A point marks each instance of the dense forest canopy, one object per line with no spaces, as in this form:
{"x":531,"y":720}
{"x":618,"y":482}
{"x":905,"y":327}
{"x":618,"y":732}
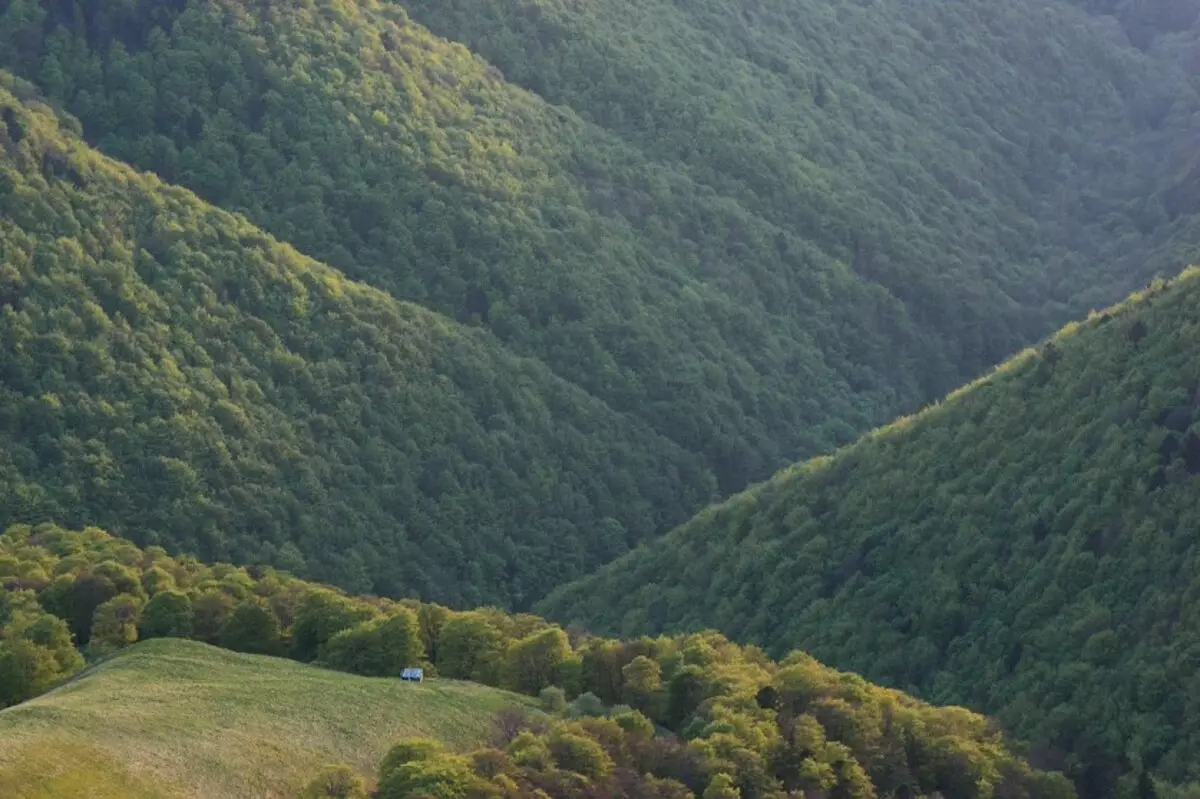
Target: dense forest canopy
{"x":955,"y":153}
{"x":461,"y":300}
{"x":172,"y":372}
{"x":663,"y":717}
{"x":761,"y":230}
{"x":1030,"y":548}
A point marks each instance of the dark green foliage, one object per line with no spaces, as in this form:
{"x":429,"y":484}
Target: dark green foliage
{"x":252,"y":628}
{"x":982,"y":162}
{"x":172,"y":373}
{"x":1028,"y":548}
{"x":168,"y":614}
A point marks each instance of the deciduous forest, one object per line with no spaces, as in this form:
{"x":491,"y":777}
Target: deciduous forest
{"x":726,"y":327}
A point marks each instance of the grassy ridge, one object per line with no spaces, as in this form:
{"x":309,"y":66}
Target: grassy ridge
{"x":1027,"y":548}
{"x":171,"y":718}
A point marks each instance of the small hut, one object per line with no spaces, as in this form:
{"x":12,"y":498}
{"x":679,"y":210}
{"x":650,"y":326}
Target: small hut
{"x":413,"y":675}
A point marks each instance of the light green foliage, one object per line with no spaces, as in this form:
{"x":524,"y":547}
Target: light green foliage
{"x":440,"y":777}
{"x":533,"y":662}
{"x":26,"y":670}
{"x":322,"y":615}
{"x":410,"y":750}
{"x":378,"y":648}
{"x":177,"y":375}
{"x":722,"y":787}
{"x":578,"y":753}
{"x":553,"y":700}
{"x":1024,"y":548}
{"x":471,"y":648}
{"x":335,"y":782}
{"x":730,"y":709}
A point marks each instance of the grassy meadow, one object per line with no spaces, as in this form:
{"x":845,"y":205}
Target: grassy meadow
{"x":173,"y":718}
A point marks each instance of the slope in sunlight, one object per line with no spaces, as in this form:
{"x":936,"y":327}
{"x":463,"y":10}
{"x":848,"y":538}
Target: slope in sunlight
{"x":172,"y":718}
{"x":1029,"y":548}
{"x":760,"y":230}
{"x":664,"y":718}
{"x":171,"y":372}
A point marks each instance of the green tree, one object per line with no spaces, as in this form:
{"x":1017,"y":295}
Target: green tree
{"x":432,"y":619}
{"x":379,"y":648}
{"x":254,"y":628}
{"x":26,"y":670}
{"x":211,"y":611}
{"x":580,"y":754}
{"x":553,"y":700}
{"x":439,"y":777}
{"x":470,"y":648}
{"x":323,"y":614}
{"x":335,"y":782}
{"x":410,"y":750}
{"x":168,"y":614}
{"x":115,"y":624}
{"x":642,"y":684}
{"x":532,"y":663}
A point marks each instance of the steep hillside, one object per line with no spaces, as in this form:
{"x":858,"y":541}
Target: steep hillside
{"x":960,"y":154}
{"x":170,"y":718}
{"x":741,"y":228}
{"x":663,"y":718}
{"x":1028,"y":548}
{"x":173,"y":373}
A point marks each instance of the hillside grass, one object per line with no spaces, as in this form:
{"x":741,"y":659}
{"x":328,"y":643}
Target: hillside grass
{"x":173,"y":718}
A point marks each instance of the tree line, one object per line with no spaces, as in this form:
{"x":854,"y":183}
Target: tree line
{"x":689,"y":715}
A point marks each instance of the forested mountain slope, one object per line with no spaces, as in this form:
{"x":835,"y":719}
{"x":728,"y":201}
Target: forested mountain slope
{"x":960,"y":154}
{"x":172,"y":372}
{"x":749,"y":230}
{"x":664,"y":718}
{"x":1029,"y":548}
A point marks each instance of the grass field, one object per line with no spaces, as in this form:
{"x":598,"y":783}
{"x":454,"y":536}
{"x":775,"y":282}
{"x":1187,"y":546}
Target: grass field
{"x":170,"y":718}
